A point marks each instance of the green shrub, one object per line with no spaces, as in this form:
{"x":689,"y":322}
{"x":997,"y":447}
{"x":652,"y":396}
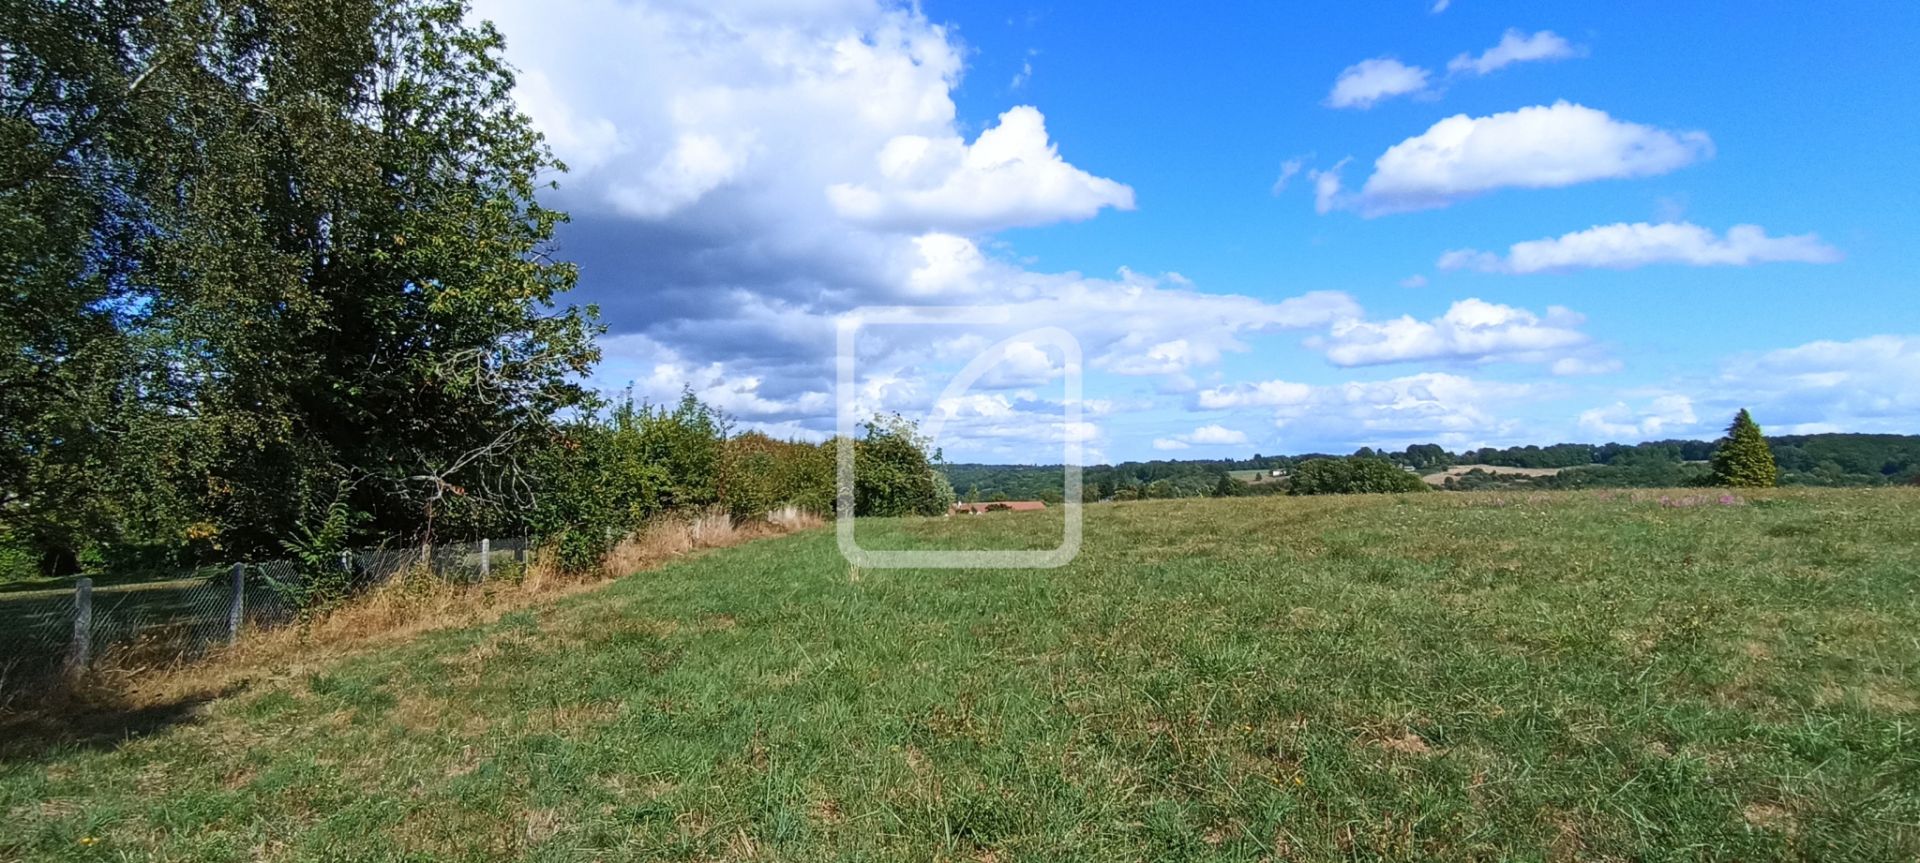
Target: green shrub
{"x":605,"y":474}
{"x":894,"y":474}
{"x":762,"y":474}
{"x":1352,"y":476}
{"x":321,"y":579}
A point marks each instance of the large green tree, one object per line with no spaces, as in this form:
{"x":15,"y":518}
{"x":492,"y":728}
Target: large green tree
{"x":302,"y":248}
{"x":1743,"y":459}
{"x":69,"y":402}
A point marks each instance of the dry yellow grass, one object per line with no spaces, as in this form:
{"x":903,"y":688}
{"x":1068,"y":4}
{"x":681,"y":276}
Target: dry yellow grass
{"x":128,"y":678}
{"x":1461,"y":470}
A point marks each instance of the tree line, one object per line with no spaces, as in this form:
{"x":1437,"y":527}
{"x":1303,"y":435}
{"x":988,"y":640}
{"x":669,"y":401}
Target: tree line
{"x":1821,"y":459}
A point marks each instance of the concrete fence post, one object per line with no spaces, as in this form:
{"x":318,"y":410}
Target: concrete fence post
{"x":486,"y":558}
{"x":237,"y":605}
{"x":80,"y":649}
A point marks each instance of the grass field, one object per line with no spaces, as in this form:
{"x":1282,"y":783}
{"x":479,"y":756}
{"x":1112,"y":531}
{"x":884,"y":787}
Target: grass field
{"x":1416,"y":677}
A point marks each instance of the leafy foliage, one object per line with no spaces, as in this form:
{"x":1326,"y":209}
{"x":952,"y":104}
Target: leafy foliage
{"x":602,"y":475}
{"x":1228,"y":486}
{"x":323,"y":573}
{"x":257,"y":248}
{"x":1353,"y":476}
{"x":1846,"y":459}
{"x":1124,"y":481}
{"x":893,"y":471}
{"x":764,"y":474}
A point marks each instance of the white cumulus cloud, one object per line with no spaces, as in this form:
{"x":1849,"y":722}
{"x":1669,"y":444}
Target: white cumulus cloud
{"x":1515,"y":47}
{"x":1450,"y":409}
{"x":1327,"y":195}
{"x":743,"y":173}
{"x":1544,"y":146}
{"x":1216,"y":435}
{"x":1260,"y":394}
{"x":1471,"y":330}
{"x":1011,"y":175}
{"x":1664,"y":415}
{"x":1288,"y":170}
{"x":1626,"y":246}
{"x":1369,"y":81}
{"x":1567,"y":366}
{"x":1858,"y":385}
{"x":1206,"y":435}
{"x":1864,"y":385}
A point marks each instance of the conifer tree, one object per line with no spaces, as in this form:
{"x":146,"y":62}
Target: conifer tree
{"x":1743,"y":459}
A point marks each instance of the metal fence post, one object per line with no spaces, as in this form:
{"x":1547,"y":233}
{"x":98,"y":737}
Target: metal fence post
{"x":237,"y":606}
{"x":486,"y":558}
{"x":80,"y":649}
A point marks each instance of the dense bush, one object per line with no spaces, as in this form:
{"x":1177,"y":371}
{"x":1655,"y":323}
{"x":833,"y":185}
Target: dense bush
{"x":607,"y":472}
{"x":1228,"y":486}
{"x":1352,"y":476}
{"x":1557,"y":455}
{"x":763,"y":474}
{"x":893,"y":472}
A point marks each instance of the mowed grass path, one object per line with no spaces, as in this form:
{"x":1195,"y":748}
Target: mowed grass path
{"x":1426,"y":677}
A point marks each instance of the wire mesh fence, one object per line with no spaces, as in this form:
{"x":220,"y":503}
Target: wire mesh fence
{"x":45,"y":633}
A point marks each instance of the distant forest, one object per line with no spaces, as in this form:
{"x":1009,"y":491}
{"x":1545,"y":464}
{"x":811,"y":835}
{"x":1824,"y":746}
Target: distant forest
{"x":1821,"y":459}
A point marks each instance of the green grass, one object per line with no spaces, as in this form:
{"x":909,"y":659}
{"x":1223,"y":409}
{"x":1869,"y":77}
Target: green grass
{"x":1420,"y":677}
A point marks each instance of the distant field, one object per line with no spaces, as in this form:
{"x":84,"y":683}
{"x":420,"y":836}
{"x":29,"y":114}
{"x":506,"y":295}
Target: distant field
{"x":1464,"y":469}
{"x":1566,"y":676}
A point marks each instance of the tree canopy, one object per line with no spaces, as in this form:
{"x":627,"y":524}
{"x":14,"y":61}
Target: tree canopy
{"x":260,"y":249}
{"x":1354,"y":475}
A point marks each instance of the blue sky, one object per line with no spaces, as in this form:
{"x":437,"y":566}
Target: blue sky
{"x":744,"y":174}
